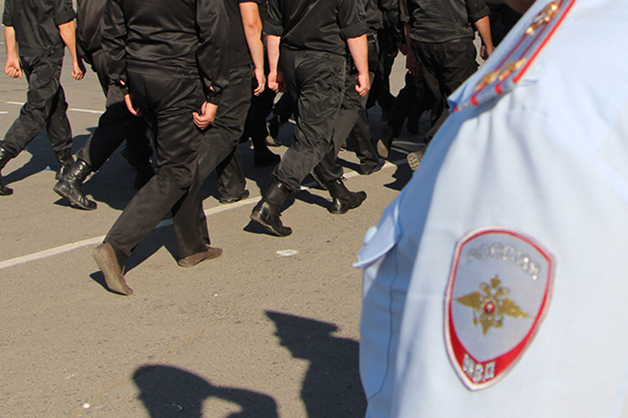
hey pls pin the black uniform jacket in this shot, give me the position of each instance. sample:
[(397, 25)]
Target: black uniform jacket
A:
[(239, 49), (319, 25), (36, 24), (89, 16), (176, 38), (442, 20)]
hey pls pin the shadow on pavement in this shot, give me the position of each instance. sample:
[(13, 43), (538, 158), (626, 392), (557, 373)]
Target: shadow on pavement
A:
[(168, 391), (331, 387), (42, 158)]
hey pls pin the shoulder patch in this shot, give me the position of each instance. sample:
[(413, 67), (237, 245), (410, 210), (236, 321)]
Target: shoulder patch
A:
[(497, 296), (502, 77)]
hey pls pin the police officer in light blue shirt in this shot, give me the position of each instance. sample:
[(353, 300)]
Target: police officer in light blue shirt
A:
[(496, 283)]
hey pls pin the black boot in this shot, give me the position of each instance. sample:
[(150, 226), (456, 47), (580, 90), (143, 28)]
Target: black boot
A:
[(4, 159), (70, 185), (65, 160), (266, 212), (342, 198)]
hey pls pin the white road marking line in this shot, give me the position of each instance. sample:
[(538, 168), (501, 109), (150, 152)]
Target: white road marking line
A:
[(97, 240), (3, 112), (72, 109)]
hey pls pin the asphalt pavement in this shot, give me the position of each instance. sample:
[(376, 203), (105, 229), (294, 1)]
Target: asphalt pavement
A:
[(271, 328)]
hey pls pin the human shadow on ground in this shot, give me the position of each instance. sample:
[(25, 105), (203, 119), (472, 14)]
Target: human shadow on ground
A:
[(168, 391), (331, 387), (42, 158)]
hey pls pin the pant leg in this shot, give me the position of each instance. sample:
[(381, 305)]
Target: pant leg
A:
[(230, 176), (58, 124), (168, 104), (349, 114), (444, 66), (361, 136), (285, 107), (188, 218), (42, 75), (223, 136), (261, 106), (115, 125), (316, 80)]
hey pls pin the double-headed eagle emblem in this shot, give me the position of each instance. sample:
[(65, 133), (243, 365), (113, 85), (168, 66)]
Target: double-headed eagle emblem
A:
[(490, 305)]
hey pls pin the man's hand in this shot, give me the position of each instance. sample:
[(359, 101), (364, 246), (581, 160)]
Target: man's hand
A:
[(412, 64), (363, 84), (207, 115), (128, 99), (261, 81), (12, 68), (486, 51), (78, 69), (276, 82)]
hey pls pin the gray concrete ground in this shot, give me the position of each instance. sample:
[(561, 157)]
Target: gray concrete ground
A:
[(268, 329)]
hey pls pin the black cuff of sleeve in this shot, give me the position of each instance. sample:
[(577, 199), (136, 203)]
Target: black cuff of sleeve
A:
[(65, 17), (272, 29), (212, 92), (354, 30), (479, 14)]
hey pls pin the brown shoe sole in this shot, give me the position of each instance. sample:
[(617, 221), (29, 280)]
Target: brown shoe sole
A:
[(194, 259), (105, 257)]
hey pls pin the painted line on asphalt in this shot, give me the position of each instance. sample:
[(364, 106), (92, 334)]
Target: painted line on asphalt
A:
[(97, 240), (71, 109)]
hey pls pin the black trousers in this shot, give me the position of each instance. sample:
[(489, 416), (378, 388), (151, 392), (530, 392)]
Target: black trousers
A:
[(219, 149), (115, 125), (444, 66), (352, 112), (261, 106), (316, 82), (167, 104), (413, 99), (45, 107), (380, 86)]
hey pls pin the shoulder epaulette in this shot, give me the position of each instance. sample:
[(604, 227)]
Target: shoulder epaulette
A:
[(507, 73)]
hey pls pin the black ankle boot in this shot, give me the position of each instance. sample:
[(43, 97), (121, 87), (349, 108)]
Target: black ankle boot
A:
[(342, 198), (70, 186), (266, 212), (65, 160), (4, 159)]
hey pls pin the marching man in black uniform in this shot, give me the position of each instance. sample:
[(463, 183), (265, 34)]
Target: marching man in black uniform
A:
[(312, 38), (246, 60), (42, 29), (115, 125), (158, 49)]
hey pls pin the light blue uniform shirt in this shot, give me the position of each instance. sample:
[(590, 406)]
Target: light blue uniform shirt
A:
[(545, 156)]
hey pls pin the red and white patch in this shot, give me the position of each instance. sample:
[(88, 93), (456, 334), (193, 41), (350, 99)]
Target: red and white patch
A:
[(497, 295)]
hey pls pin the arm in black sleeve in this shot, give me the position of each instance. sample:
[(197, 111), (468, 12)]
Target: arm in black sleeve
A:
[(272, 22), (213, 51), (114, 33), (7, 19), (63, 12), (477, 9), (351, 17)]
